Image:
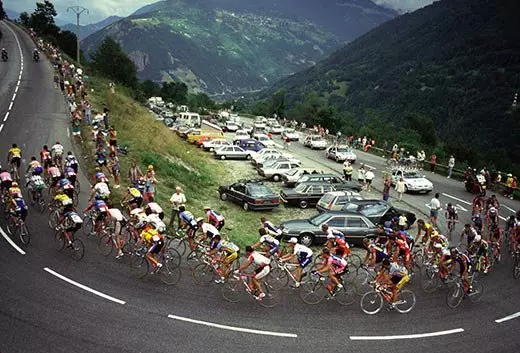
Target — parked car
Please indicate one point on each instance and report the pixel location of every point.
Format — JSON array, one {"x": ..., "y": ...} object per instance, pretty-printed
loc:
[
  {"x": 414, "y": 181},
  {"x": 230, "y": 127},
  {"x": 290, "y": 134},
  {"x": 330, "y": 178},
  {"x": 276, "y": 129},
  {"x": 341, "y": 153},
  {"x": 231, "y": 152},
  {"x": 378, "y": 211},
  {"x": 291, "y": 177},
  {"x": 251, "y": 195},
  {"x": 250, "y": 144},
  {"x": 260, "y": 123},
  {"x": 315, "y": 142},
  {"x": 169, "y": 122},
  {"x": 276, "y": 170},
  {"x": 355, "y": 226},
  {"x": 214, "y": 144},
  {"x": 264, "y": 139},
  {"x": 307, "y": 194},
  {"x": 264, "y": 153},
  {"x": 272, "y": 159},
  {"x": 241, "y": 135},
  {"x": 336, "y": 200}
]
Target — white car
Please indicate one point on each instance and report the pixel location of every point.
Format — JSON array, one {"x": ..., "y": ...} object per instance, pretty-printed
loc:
[
  {"x": 276, "y": 129},
  {"x": 267, "y": 153},
  {"x": 276, "y": 170},
  {"x": 341, "y": 153},
  {"x": 214, "y": 144},
  {"x": 231, "y": 127},
  {"x": 260, "y": 122},
  {"x": 231, "y": 152},
  {"x": 290, "y": 177},
  {"x": 264, "y": 139},
  {"x": 241, "y": 135},
  {"x": 414, "y": 180},
  {"x": 290, "y": 134},
  {"x": 315, "y": 142}
]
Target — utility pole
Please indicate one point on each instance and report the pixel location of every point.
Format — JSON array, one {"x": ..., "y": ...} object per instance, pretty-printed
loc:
[{"x": 78, "y": 10}]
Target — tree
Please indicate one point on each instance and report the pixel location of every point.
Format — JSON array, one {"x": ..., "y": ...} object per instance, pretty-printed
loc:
[
  {"x": 24, "y": 19},
  {"x": 175, "y": 92},
  {"x": 276, "y": 104},
  {"x": 110, "y": 60},
  {"x": 149, "y": 89},
  {"x": 2, "y": 12},
  {"x": 42, "y": 19},
  {"x": 67, "y": 41},
  {"x": 200, "y": 101}
]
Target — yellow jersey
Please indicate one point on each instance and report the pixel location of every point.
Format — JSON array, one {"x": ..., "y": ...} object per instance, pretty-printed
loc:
[
  {"x": 134, "y": 192},
  {"x": 63, "y": 199},
  {"x": 151, "y": 235},
  {"x": 15, "y": 152}
]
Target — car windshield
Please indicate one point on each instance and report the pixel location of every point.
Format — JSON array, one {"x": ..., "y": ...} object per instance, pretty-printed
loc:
[
  {"x": 327, "y": 198},
  {"x": 352, "y": 207},
  {"x": 316, "y": 138},
  {"x": 300, "y": 188},
  {"x": 412, "y": 175},
  {"x": 262, "y": 138},
  {"x": 373, "y": 210},
  {"x": 258, "y": 190},
  {"x": 289, "y": 131},
  {"x": 343, "y": 149},
  {"x": 319, "y": 219}
]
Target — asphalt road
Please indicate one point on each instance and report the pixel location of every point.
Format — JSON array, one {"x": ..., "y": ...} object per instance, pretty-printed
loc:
[{"x": 40, "y": 312}]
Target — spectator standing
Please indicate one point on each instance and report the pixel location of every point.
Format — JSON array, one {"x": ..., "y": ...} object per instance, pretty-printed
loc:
[
  {"x": 421, "y": 156},
  {"x": 435, "y": 207},
  {"x": 361, "y": 176},
  {"x": 116, "y": 171},
  {"x": 347, "y": 170},
  {"x": 387, "y": 183},
  {"x": 112, "y": 142},
  {"x": 433, "y": 162},
  {"x": 178, "y": 198},
  {"x": 400, "y": 188},
  {"x": 88, "y": 111},
  {"x": 150, "y": 181},
  {"x": 134, "y": 174},
  {"x": 369, "y": 176},
  {"x": 402, "y": 223},
  {"x": 112, "y": 87},
  {"x": 451, "y": 164}
]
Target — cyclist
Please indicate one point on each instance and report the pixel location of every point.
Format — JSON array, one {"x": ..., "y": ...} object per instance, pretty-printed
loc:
[
  {"x": 270, "y": 244},
  {"x": 100, "y": 176},
  {"x": 214, "y": 218},
  {"x": 100, "y": 191},
  {"x": 69, "y": 173},
  {"x": 438, "y": 238},
  {"x": 14, "y": 190},
  {"x": 70, "y": 161},
  {"x": 393, "y": 275},
  {"x": 451, "y": 214},
  {"x": 400, "y": 249},
  {"x": 444, "y": 260},
  {"x": 271, "y": 228},
  {"x": 7, "y": 181},
  {"x": 153, "y": 207},
  {"x": 134, "y": 198},
  {"x": 334, "y": 266},
  {"x": 495, "y": 239},
  {"x": 17, "y": 208},
  {"x": 54, "y": 173},
  {"x": 480, "y": 248},
  {"x": 34, "y": 167},
  {"x": 334, "y": 243},
  {"x": 186, "y": 219},
  {"x": 14, "y": 158},
  {"x": 477, "y": 222},
  {"x": 151, "y": 238},
  {"x": 331, "y": 231},
  {"x": 262, "y": 269},
  {"x": 35, "y": 185},
  {"x": 45, "y": 157},
  {"x": 427, "y": 228},
  {"x": 229, "y": 253},
  {"x": 301, "y": 253},
  {"x": 116, "y": 222},
  {"x": 157, "y": 223},
  {"x": 208, "y": 230},
  {"x": 492, "y": 202},
  {"x": 100, "y": 214},
  {"x": 375, "y": 254},
  {"x": 407, "y": 237},
  {"x": 464, "y": 267},
  {"x": 67, "y": 187},
  {"x": 469, "y": 232},
  {"x": 72, "y": 222},
  {"x": 57, "y": 151},
  {"x": 492, "y": 214}
]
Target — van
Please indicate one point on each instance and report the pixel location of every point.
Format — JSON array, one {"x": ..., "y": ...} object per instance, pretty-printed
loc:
[
  {"x": 336, "y": 200},
  {"x": 250, "y": 145},
  {"x": 189, "y": 119}
]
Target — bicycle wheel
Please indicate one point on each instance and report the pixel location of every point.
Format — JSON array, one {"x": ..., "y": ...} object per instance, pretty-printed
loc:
[
  {"x": 477, "y": 290},
  {"x": 11, "y": 226},
  {"x": 362, "y": 282},
  {"x": 271, "y": 298},
  {"x": 88, "y": 226},
  {"x": 194, "y": 258},
  {"x": 277, "y": 278},
  {"x": 170, "y": 273},
  {"x": 139, "y": 266},
  {"x": 313, "y": 291},
  {"x": 354, "y": 260},
  {"x": 106, "y": 245},
  {"x": 231, "y": 290},
  {"x": 455, "y": 296},
  {"x": 405, "y": 301},
  {"x": 371, "y": 302},
  {"x": 203, "y": 274},
  {"x": 77, "y": 185},
  {"x": 25, "y": 236},
  {"x": 78, "y": 249},
  {"x": 178, "y": 244},
  {"x": 54, "y": 217},
  {"x": 173, "y": 257},
  {"x": 431, "y": 282},
  {"x": 59, "y": 240},
  {"x": 516, "y": 268},
  {"x": 347, "y": 294}
]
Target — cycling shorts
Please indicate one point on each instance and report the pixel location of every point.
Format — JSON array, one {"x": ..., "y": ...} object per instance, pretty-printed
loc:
[
  {"x": 74, "y": 227},
  {"x": 136, "y": 201},
  {"x": 261, "y": 272},
  {"x": 380, "y": 256},
  {"x": 16, "y": 161},
  {"x": 230, "y": 258},
  {"x": 156, "y": 247},
  {"x": 192, "y": 230},
  {"x": 101, "y": 216},
  {"x": 20, "y": 213},
  {"x": 401, "y": 282},
  {"x": 304, "y": 261},
  {"x": 220, "y": 225}
]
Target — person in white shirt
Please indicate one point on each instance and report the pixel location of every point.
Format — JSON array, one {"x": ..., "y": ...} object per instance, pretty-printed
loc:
[
  {"x": 153, "y": 207},
  {"x": 207, "y": 230},
  {"x": 435, "y": 207},
  {"x": 100, "y": 191},
  {"x": 116, "y": 222},
  {"x": 400, "y": 187},
  {"x": 300, "y": 252},
  {"x": 176, "y": 200},
  {"x": 57, "y": 149},
  {"x": 451, "y": 164},
  {"x": 369, "y": 176},
  {"x": 262, "y": 269}
]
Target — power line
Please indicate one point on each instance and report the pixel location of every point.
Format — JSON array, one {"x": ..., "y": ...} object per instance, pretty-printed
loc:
[{"x": 78, "y": 10}]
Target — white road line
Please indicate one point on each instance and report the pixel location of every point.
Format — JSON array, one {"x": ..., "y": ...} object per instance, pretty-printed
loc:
[
  {"x": 19, "y": 75},
  {"x": 1, "y": 127},
  {"x": 6, "y": 116},
  {"x": 461, "y": 208},
  {"x": 510, "y": 209},
  {"x": 88, "y": 289},
  {"x": 10, "y": 241},
  {"x": 10, "y": 105},
  {"x": 68, "y": 133},
  {"x": 456, "y": 198},
  {"x": 502, "y": 218},
  {"x": 507, "y": 318},
  {"x": 404, "y": 337},
  {"x": 232, "y": 328}
]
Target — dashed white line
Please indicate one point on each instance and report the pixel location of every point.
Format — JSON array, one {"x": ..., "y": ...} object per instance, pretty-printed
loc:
[
  {"x": 456, "y": 198},
  {"x": 88, "y": 289},
  {"x": 68, "y": 133},
  {"x": 507, "y": 318},
  {"x": 19, "y": 75},
  {"x": 1, "y": 127},
  {"x": 10, "y": 105},
  {"x": 233, "y": 328},
  {"x": 510, "y": 209},
  {"x": 9, "y": 240},
  {"x": 404, "y": 337},
  {"x": 6, "y": 116},
  {"x": 461, "y": 208}
]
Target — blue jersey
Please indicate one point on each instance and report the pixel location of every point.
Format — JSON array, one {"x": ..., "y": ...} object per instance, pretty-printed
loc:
[{"x": 19, "y": 204}]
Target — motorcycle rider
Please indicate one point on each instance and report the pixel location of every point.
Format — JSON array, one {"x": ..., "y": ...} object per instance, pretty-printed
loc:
[
  {"x": 36, "y": 54},
  {"x": 4, "y": 54}
]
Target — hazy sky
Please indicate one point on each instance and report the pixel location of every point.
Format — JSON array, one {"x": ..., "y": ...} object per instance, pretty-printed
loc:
[{"x": 100, "y": 9}]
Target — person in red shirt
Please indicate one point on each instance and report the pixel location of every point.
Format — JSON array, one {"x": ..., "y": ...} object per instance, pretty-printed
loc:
[
  {"x": 402, "y": 249},
  {"x": 433, "y": 162}
]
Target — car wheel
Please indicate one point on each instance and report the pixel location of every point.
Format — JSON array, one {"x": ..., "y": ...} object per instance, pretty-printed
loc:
[
  {"x": 249, "y": 157},
  {"x": 306, "y": 239},
  {"x": 304, "y": 204},
  {"x": 222, "y": 157},
  {"x": 406, "y": 189},
  {"x": 223, "y": 196},
  {"x": 245, "y": 206},
  {"x": 276, "y": 177},
  {"x": 352, "y": 162},
  {"x": 211, "y": 149}
]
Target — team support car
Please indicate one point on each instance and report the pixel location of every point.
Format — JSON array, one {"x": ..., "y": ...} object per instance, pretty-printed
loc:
[
  {"x": 276, "y": 170},
  {"x": 308, "y": 231},
  {"x": 214, "y": 144},
  {"x": 315, "y": 142},
  {"x": 414, "y": 181},
  {"x": 241, "y": 135},
  {"x": 378, "y": 211},
  {"x": 341, "y": 153},
  {"x": 290, "y": 134},
  {"x": 331, "y": 179},
  {"x": 251, "y": 195},
  {"x": 307, "y": 194},
  {"x": 231, "y": 152},
  {"x": 336, "y": 200}
]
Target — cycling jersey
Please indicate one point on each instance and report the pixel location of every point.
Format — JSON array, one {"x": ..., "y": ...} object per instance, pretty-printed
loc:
[
  {"x": 69, "y": 171},
  {"x": 397, "y": 271},
  {"x": 302, "y": 251},
  {"x": 342, "y": 244},
  {"x": 19, "y": 204},
  {"x": 272, "y": 229},
  {"x": 337, "y": 263},
  {"x": 214, "y": 217},
  {"x": 100, "y": 206},
  {"x": 209, "y": 230},
  {"x": 440, "y": 239},
  {"x": 102, "y": 190},
  {"x": 5, "y": 176},
  {"x": 462, "y": 259},
  {"x": 188, "y": 219},
  {"x": 65, "y": 184},
  {"x": 154, "y": 207},
  {"x": 151, "y": 235},
  {"x": 57, "y": 149},
  {"x": 116, "y": 214},
  {"x": 134, "y": 192},
  {"x": 227, "y": 247},
  {"x": 36, "y": 182},
  {"x": 270, "y": 241},
  {"x": 63, "y": 199},
  {"x": 15, "y": 191},
  {"x": 335, "y": 233},
  {"x": 156, "y": 222},
  {"x": 451, "y": 212},
  {"x": 258, "y": 259},
  {"x": 15, "y": 152},
  {"x": 54, "y": 172},
  {"x": 45, "y": 155}
]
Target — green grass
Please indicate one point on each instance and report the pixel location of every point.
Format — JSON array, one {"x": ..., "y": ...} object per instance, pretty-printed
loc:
[{"x": 176, "y": 163}]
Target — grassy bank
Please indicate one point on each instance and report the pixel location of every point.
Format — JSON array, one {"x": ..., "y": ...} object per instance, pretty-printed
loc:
[{"x": 176, "y": 163}]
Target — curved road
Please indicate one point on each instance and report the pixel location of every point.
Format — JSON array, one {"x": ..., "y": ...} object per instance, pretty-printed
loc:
[{"x": 41, "y": 312}]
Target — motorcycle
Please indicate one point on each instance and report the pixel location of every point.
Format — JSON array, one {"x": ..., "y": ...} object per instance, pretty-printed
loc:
[
  {"x": 4, "y": 56},
  {"x": 476, "y": 185},
  {"x": 36, "y": 56}
]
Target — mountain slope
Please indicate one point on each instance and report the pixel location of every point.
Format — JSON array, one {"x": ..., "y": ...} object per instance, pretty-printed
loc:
[
  {"x": 87, "y": 30},
  {"x": 455, "y": 63},
  {"x": 231, "y": 46}
]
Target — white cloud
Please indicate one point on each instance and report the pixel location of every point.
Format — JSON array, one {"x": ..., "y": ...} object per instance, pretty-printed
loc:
[{"x": 404, "y": 4}]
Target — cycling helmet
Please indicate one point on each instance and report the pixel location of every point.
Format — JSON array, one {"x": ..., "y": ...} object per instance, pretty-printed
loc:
[
  {"x": 207, "y": 208},
  {"x": 200, "y": 219},
  {"x": 14, "y": 184},
  {"x": 150, "y": 167},
  {"x": 182, "y": 208},
  {"x": 478, "y": 238},
  {"x": 492, "y": 210},
  {"x": 437, "y": 245}
]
